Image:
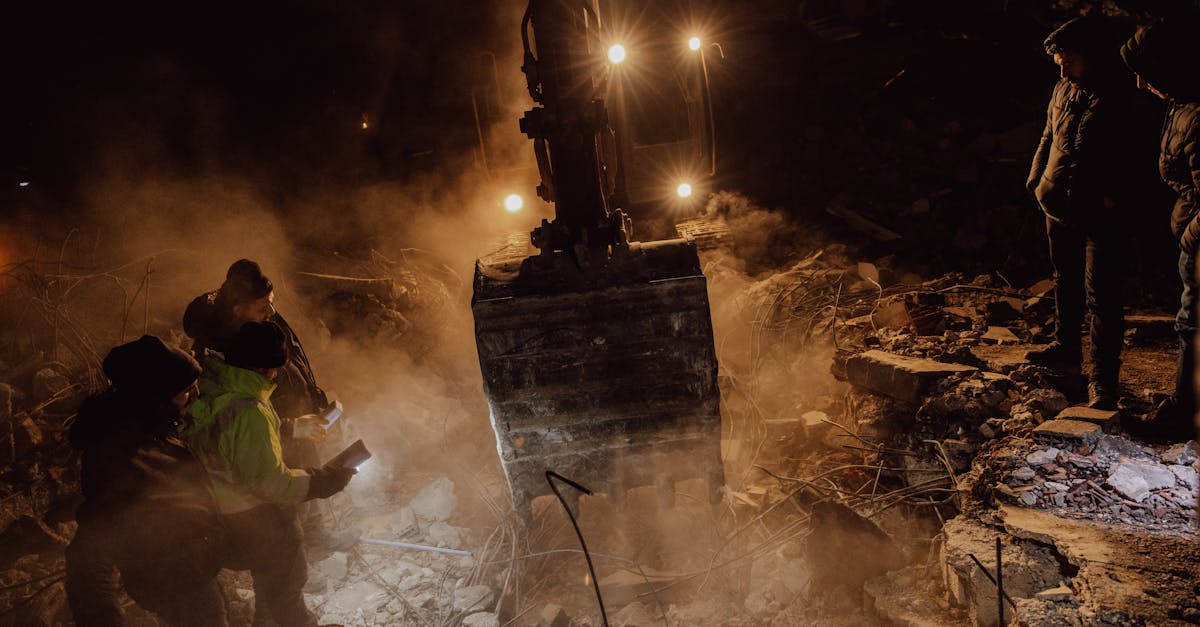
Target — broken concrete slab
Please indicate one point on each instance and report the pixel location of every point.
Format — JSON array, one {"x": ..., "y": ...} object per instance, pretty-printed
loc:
[
  {"x": 435, "y": 502},
  {"x": 1103, "y": 417},
  {"x": 473, "y": 598},
  {"x": 903, "y": 378},
  {"x": 1136, "y": 481},
  {"x": 1184, "y": 453},
  {"x": 482, "y": 619},
  {"x": 1071, "y": 432},
  {"x": 1000, "y": 335}
]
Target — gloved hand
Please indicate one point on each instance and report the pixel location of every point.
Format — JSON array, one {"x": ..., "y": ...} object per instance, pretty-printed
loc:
[{"x": 326, "y": 482}]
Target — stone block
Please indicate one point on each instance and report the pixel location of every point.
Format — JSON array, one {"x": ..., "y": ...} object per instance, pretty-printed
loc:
[
  {"x": 903, "y": 378},
  {"x": 1104, "y": 418},
  {"x": 1072, "y": 432}
]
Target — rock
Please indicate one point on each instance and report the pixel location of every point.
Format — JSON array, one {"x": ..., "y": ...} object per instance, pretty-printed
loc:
[
  {"x": 1186, "y": 476},
  {"x": 435, "y": 502},
  {"x": 360, "y": 595},
  {"x": 472, "y": 598},
  {"x": 1041, "y": 457},
  {"x": 892, "y": 314},
  {"x": 1111, "y": 447},
  {"x": 1024, "y": 474},
  {"x": 1104, "y": 418},
  {"x": 1059, "y": 594},
  {"x": 1000, "y": 335},
  {"x": 484, "y": 619},
  {"x": 1184, "y": 454},
  {"x": 553, "y": 615},
  {"x": 1027, "y": 498},
  {"x": 335, "y": 567},
  {"x": 443, "y": 535},
  {"x": 1056, "y": 486},
  {"x": 903, "y": 378},
  {"x": 636, "y": 614},
  {"x": 1183, "y": 497},
  {"x": 992, "y": 428},
  {"x": 1046, "y": 401},
  {"x": 1072, "y": 432},
  {"x": 27, "y": 437},
  {"x": 403, "y": 523},
  {"x": 1136, "y": 481}
]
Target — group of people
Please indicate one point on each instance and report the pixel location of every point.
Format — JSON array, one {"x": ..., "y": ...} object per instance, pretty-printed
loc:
[
  {"x": 196, "y": 462},
  {"x": 1085, "y": 177}
]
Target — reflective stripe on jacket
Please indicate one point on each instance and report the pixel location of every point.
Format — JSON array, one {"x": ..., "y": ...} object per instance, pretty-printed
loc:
[{"x": 234, "y": 431}]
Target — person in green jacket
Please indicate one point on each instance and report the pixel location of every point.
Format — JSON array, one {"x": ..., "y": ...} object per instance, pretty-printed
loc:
[{"x": 235, "y": 433}]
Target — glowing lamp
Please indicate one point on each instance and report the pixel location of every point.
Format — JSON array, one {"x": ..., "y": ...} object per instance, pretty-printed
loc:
[
  {"x": 684, "y": 190},
  {"x": 694, "y": 43},
  {"x": 513, "y": 203},
  {"x": 616, "y": 53}
]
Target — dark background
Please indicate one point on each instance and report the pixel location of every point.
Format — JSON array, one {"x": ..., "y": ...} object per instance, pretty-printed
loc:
[{"x": 920, "y": 115}]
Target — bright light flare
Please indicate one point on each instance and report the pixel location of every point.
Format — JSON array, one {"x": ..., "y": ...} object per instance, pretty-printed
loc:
[
  {"x": 694, "y": 43},
  {"x": 513, "y": 203},
  {"x": 684, "y": 190},
  {"x": 616, "y": 53}
]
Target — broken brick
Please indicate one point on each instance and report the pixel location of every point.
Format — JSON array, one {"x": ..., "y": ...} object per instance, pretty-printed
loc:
[{"x": 902, "y": 378}]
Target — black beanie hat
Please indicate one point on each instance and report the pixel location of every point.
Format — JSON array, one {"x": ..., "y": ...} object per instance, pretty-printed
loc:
[
  {"x": 147, "y": 367},
  {"x": 244, "y": 283},
  {"x": 257, "y": 345}
]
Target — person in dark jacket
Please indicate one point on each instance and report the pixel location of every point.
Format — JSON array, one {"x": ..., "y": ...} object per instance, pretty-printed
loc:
[
  {"x": 149, "y": 518},
  {"x": 1081, "y": 176},
  {"x": 1165, "y": 59},
  {"x": 212, "y": 319}
]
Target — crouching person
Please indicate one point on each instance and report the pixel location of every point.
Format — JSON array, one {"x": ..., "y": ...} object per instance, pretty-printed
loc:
[
  {"x": 235, "y": 432},
  {"x": 148, "y": 519}
]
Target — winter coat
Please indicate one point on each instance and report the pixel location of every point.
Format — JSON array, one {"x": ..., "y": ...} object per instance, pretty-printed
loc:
[
  {"x": 1179, "y": 165},
  {"x": 146, "y": 494},
  {"x": 235, "y": 433},
  {"x": 210, "y": 326},
  {"x": 1164, "y": 55},
  {"x": 1088, "y": 152}
]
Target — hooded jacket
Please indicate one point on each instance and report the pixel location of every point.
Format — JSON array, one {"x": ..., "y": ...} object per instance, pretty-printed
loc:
[
  {"x": 208, "y": 322},
  {"x": 1091, "y": 140},
  {"x": 234, "y": 431},
  {"x": 145, "y": 492},
  {"x": 1163, "y": 56}
]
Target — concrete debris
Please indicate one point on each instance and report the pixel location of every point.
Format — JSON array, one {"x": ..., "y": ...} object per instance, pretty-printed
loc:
[
  {"x": 1069, "y": 432},
  {"x": 553, "y": 615},
  {"x": 1041, "y": 457},
  {"x": 902, "y": 378},
  {"x": 1185, "y": 453},
  {"x": 1057, "y": 594},
  {"x": 473, "y": 598},
  {"x": 404, "y": 523},
  {"x": 435, "y": 502},
  {"x": 335, "y": 567},
  {"x": 1000, "y": 335},
  {"x": 636, "y": 614},
  {"x": 481, "y": 619},
  {"x": 1136, "y": 481},
  {"x": 1104, "y": 418}
]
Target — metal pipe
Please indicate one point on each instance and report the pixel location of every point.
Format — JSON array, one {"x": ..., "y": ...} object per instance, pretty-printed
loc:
[
  {"x": 999, "y": 582},
  {"x": 417, "y": 547}
]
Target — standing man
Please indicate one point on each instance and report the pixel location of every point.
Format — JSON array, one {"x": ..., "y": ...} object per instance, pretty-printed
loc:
[
  {"x": 1082, "y": 178},
  {"x": 212, "y": 319},
  {"x": 1165, "y": 60},
  {"x": 235, "y": 432},
  {"x": 148, "y": 519}
]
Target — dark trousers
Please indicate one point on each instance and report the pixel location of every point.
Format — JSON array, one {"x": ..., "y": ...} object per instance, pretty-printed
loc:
[
  {"x": 303, "y": 453},
  {"x": 94, "y": 586},
  {"x": 1088, "y": 272},
  {"x": 1185, "y": 326},
  {"x": 267, "y": 541}
]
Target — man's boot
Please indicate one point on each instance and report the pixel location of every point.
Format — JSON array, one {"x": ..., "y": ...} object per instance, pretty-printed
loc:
[
  {"x": 1057, "y": 356},
  {"x": 1169, "y": 423},
  {"x": 1103, "y": 394}
]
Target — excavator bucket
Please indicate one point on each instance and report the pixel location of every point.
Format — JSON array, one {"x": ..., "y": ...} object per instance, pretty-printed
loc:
[{"x": 608, "y": 377}]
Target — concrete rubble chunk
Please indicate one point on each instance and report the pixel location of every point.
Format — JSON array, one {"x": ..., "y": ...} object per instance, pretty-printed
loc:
[
  {"x": 403, "y": 523},
  {"x": 902, "y": 378},
  {"x": 1042, "y": 457},
  {"x": 1184, "y": 453},
  {"x": 1058, "y": 594},
  {"x": 1000, "y": 335},
  {"x": 636, "y": 614},
  {"x": 1136, "y": 481},
  {"x": 472, "y": 598},
  {"x": 553, "y": 615},
  {"x": 435, "y": 502},
  {"x": 1102, "y": 417},
  {"x": 1024, "y": 474},
  {"x": 481, "y": 619},
  {"x": 1073, "y": 432},
  {"x": 1186, "y": 476},
  {"x": 335, "y": 567}
]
